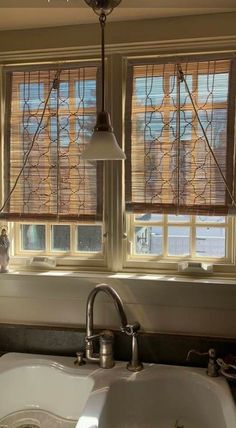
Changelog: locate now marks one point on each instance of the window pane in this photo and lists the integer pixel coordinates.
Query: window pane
(149, 91)
(210, 241)
(210, 219)
(148, 127)
(89, 238)
(63, 130)
(60, 238)
(85, 93)
(148, 240)
(184, 96)
(214, 123)
(178, 241)
(84, 127)
(62, 98)
(33, 237)
(186, 126)
(213, 85)
(31, 96)
(177, 218)
(149, 217)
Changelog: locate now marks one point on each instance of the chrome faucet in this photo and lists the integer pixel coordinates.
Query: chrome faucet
(106, 337)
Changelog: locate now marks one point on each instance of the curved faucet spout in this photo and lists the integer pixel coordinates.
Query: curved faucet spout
(90, 304)
(105, 357)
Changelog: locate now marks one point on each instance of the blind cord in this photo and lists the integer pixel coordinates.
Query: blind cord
(55, 85)
(181, 78)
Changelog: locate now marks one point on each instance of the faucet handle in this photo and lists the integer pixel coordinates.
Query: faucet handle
(131, 329)
(94, 336)
(106, 349)
(79, 358)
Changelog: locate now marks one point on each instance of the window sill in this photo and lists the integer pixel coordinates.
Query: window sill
(104, 275)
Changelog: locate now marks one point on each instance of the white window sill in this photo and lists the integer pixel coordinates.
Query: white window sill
(101, 275)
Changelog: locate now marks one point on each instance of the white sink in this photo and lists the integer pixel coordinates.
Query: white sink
(169, 397)
(43, 392)
(39, 387)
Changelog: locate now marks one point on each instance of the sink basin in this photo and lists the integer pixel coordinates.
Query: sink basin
(169, 397)
(41, 391)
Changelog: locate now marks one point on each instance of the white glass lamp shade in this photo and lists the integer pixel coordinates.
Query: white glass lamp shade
(103, 144)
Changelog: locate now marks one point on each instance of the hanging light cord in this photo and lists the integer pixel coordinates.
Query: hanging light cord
(102, 20)
(55, 85)
(182, 78)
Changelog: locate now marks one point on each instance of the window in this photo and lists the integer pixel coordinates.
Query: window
(55, 182)
(179, 236)
(170, 166)
(57, 202)
(172, 198)
(176, 198)
(59, 239)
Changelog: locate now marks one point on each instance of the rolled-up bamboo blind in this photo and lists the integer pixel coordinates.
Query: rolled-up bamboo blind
(55, 183)
(169, 166)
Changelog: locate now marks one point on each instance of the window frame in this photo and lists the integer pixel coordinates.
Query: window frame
(153, 260)
(6, 84)
(116, 225)
(166, 59)
(19, 251)
(170, 264)
(91, 260)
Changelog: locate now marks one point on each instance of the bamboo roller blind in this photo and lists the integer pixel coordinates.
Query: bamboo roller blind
(169, 166)
(55, 183)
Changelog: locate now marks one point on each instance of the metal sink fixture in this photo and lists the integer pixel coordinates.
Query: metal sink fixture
(105, 357)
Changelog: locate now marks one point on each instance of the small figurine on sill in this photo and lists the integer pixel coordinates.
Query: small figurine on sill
(4, 251)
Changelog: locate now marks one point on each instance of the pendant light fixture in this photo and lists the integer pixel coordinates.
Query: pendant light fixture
(103, 144)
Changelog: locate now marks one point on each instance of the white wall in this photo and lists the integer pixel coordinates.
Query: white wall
(170, 305)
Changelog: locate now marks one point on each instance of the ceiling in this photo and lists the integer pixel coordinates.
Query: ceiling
(52, 13)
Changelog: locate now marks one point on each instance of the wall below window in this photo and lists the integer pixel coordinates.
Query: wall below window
(160, 304)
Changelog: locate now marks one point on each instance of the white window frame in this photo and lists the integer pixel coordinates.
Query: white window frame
(168, 265)
(48, 241)
(70, 259)
(91, 260)
(166, 261)
(116, 232)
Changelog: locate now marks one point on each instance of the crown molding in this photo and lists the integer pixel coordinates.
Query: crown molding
(179, 46)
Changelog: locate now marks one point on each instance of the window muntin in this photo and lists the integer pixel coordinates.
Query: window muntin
(59, 239)
(172, 237)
